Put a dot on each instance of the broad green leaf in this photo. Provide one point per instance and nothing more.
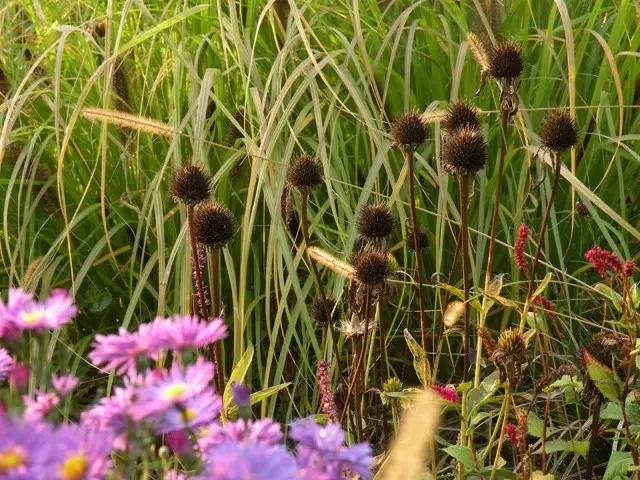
(237, 375)
(420, 360)
(535, 425)
(538, 475)
(463, 454)
(543, 286)
(493, 291)
(634, 292)
(614, 297)
(603, 378)
(474, 302)
(258, 397)
(477, 419)
(581, 448)
(618, 466)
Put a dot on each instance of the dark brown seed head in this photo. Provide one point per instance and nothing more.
(465, 152)
(408, 131)
(505, 60)
(305, 173)
(99, 29)
(214, 225)
(376, 222)
(512, 342)
(460, 114)
(325, 311)
(423, 239)
(558, 131)
(582, 209)
(190, 185)
(372, 266)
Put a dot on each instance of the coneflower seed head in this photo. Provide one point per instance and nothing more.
(461, 114)
(323, 311)
(305, 173)
(465, 152)
(214, 225)
(408, 131)
(505, 60)
(558, 131)
(511, 342)
(372, 266)
(423, 239)
(376, 222)
(190, 185)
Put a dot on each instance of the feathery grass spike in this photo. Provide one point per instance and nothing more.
(126, 120)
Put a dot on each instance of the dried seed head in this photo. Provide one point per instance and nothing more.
(461, 114)
(190, 185)
(408, 131)
(372, 266)
(465, 152)
(605, 346)
(487, 341)
(234, 133)
(393, 385)
(376, 222)
(305, 173)
(512, 342)
(582, 209)
(555, 374)
(214, 225)
(324, 311)
(423, 239)
(558, 131)
(505, 60)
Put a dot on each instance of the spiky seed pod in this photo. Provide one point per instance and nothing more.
(214, 225)
(461, 114)
(305, 173)
(512, 342)
(465, 152)
(323, 311)
(505, 60)
(423, 239)
(190, 185)
(372, 266)
(408, 131)
(393, 385)
(376, 222)
(558, 131)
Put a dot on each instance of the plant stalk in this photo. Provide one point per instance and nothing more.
(464, 240)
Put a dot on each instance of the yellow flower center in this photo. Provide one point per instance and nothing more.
(74, 467)
(31, 317)
(172, 392)
(11, 459)
(188, 414)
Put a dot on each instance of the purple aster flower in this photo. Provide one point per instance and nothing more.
(241, 395)
(112, 415)
(53, 313)
(175, 476)
(187, 332)
(64, 384)
(82, 453)
(195, 413)
(178, 442)
(249, 461)
(19, 376)
(6, 364)
(26, 450)
(260, 432)
(174, 389)
(39, 407)
(121, 351)
(17, 300)
(322, 449)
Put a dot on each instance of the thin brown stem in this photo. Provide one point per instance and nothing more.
(414, 221)
(595, 427)
(464, 241)
(307, 243)
(216, 311)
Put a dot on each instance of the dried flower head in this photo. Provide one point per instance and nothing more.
(234, 133)
(558, 131)
(582, 209)
(461, 114)
(376, 222)
(214, 225)
(422, 240)
(305, 173)
(408, 131)
(393, 385)
(488, 342)
(512, 342)
(555, 374)
(325, 311)
(190, 185)
(508, 354)
(372, 266)
(505, 60)
(465, 152)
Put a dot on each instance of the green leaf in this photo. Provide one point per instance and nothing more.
(237, 375)
(634, 292)
(258, 397)
(603, 378)
(462, 454)
(618, 466)
(420, 360)
(538, 475)
(581, 448)
(474, 302)
(611, 411)
(543, 286)
(614, 297)
(535, 425)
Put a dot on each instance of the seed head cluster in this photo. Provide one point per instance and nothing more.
(409, 131)
(325, 310)
(305, 173)
(558, 131)
(461, 114)
(422, 239)
(190, 185)
(214, 225)
(376, 222)
(505, 61)
(465, 152)
(373, 266)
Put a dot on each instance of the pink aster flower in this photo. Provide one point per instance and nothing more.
(172, 475)
(113, 415)
(183, 332)
(121, 351)
(39, 407)
(195, 413)
(56, 311)
(19, 376)
(264, 432)
(64, 384)
(446, 393)
(17, 300)
(83, 453)
(174, 389)
(6, 364)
